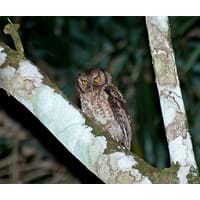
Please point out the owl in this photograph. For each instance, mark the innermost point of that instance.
(103, 102)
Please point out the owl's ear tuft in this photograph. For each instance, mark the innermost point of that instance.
(108, 77)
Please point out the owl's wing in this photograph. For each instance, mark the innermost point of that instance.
(118, 105)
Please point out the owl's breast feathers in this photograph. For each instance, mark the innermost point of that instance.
(95, 105)
(107, 107)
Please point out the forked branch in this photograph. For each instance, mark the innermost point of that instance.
(111, 162)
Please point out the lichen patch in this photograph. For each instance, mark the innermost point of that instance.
(126, 162)
(3, 56)
(177, 127)
(165, 70)
(119, 167)
(68, 125)
(182, 174)
(28, 71)
(23, 80)
(173, 112)
(181, 151)
(161, 22)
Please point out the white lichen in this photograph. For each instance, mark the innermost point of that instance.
(182, 174)
(121, 168)
(68, 125)
(6, 75)
(29, 71)
(177, 95)
(99, 144)
(117, 158)
(161, 22)
(181, 151)
(3, 56)
(158, 52)
(125, 162)
(168, 110)
(21, 82)
(171, 103)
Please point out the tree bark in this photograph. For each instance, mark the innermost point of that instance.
(172, 106)
(111, 162)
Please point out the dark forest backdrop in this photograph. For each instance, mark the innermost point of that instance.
(65, 46)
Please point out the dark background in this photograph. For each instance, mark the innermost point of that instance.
(66, 46)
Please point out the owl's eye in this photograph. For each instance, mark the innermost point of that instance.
(84, 82)
(97, 79)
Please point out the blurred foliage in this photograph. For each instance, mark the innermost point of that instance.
(66, 46)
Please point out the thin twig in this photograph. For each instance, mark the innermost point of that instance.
(12, 30)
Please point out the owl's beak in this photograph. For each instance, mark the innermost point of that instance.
(90, 87)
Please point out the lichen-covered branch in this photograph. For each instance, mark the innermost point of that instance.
(173, 111)
(23, 80)
(111, 162)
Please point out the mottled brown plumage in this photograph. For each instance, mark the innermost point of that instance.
(102, 101)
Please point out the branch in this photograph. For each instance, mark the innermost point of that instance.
(173, 111)
(110, 161)
(11, 29)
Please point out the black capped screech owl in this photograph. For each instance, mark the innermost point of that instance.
(102, 101)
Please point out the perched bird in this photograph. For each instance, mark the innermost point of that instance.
(103, 101)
